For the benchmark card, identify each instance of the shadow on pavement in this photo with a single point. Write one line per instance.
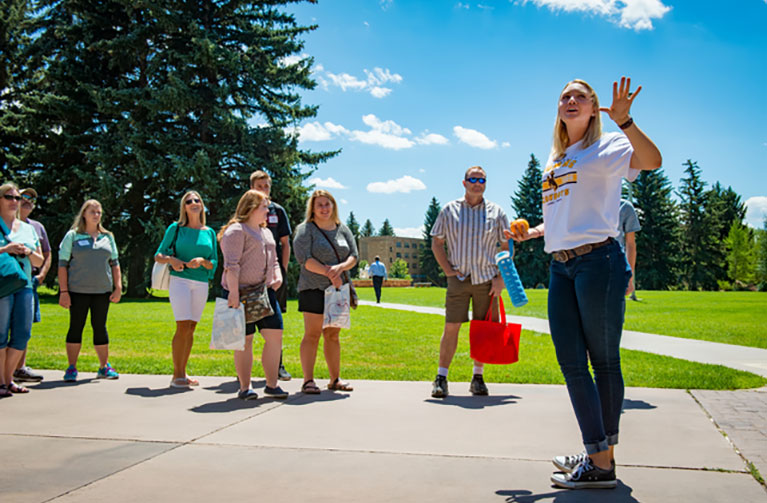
(475, 402)
(225, 387)
(637, 404)
(60, 383)
(621, 494)
(229, 405)
(324, 396)
(155, 393)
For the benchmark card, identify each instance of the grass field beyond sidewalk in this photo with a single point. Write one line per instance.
(382, 344)
(729, 317)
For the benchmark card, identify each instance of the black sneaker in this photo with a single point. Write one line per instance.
(275, 392)
(283, 375)
(439, 390)
(586, 476)
(568, 463)
(26, 374)
(477, 386)
(247, 394)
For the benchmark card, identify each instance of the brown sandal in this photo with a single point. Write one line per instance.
(310, 388)
(16, 389)
(339, 385)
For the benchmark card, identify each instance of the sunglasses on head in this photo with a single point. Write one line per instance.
(192, 200)
(475, 179)
(11, 197)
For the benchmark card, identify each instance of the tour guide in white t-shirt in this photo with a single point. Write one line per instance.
(471, 227)
(589, 272)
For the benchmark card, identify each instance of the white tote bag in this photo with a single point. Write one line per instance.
(160, 276)
(228, 326)
(337, 307)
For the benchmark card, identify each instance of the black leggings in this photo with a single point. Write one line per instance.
(98, 304)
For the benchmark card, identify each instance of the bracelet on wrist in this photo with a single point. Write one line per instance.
(63, 291)
(627, 124)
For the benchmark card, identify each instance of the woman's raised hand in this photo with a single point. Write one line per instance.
(622, 100)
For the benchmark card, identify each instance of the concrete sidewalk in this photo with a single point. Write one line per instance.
(738, 357)
(135, 439)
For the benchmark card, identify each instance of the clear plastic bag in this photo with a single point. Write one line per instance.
(228, 327)
(336, 312)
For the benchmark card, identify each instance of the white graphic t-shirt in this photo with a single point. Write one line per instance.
(582, 192)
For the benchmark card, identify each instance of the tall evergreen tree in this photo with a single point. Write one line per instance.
(723, 207)
(354, 227)
(658, 242)
(428, 264)
(386, 229)
(531, 261)
(143, 101)
(367, 229)
(700, 231)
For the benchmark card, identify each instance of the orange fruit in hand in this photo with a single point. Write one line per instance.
(520, 226)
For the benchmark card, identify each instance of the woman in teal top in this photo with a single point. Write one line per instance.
(89, 279)
(190, 248)
(20, 240)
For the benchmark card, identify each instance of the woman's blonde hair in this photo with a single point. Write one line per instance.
(79, 224)
(249, 201)
(310, 206)
(593, 132)
(7, 187)
(182, 218)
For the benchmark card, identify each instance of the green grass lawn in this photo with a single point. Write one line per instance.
(382, 344)
(728, 317)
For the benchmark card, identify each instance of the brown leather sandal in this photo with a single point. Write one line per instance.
(310, 388)
(339, 385)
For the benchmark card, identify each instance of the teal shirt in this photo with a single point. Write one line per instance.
(191, 243)
(27, 236)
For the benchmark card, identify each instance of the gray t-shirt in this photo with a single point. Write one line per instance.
(627, 222)
(89, 261)
(310, 243)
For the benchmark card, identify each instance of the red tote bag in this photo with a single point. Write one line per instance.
(493, 341)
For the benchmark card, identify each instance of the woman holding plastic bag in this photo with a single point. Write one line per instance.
(326, 249)
(252, 274)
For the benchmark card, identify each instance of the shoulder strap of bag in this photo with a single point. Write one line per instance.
(332, 246)
(175, 238)
(502, 318)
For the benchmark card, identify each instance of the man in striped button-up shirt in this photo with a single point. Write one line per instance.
(472, 228)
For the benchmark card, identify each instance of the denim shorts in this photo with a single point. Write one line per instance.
(273, 322)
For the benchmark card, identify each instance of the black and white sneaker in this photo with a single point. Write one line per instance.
(283, 375)
(478, 386)
(439, 388)
(586, 476)
(275, 392)
(568, 463)
(26, 374)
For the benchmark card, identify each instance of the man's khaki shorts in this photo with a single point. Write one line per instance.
(457, 300)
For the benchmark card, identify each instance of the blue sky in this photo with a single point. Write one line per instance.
(415, 92)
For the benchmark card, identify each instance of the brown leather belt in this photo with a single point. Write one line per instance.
(565, 255)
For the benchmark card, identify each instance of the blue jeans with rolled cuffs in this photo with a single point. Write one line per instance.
(16, 312)
(586, 306)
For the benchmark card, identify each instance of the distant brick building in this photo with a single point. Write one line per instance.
(391, 248)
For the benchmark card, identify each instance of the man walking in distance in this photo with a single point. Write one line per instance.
(472, 228)
(277, 222)
(628, 225)
(29, 199)
(377, 271)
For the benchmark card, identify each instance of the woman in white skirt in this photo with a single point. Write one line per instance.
(190, 248)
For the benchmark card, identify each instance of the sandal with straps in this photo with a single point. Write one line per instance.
(339, 385)
(4, 391)
(16, 389)
(310, 388)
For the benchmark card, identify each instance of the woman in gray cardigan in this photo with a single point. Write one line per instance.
(322, 264)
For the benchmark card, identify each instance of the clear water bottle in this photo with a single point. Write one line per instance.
(510, 276)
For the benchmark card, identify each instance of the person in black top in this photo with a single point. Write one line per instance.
(277, 222)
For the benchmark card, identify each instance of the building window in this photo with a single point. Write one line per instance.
(407, 245)
(407, 255)
(399, 245)
(399, 255)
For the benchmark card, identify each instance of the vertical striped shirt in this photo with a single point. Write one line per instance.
(472, 235)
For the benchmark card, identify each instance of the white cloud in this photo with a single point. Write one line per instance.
(505, 144)
(314, 131)
(635, 14)
(387, 134)
(427, 138)
(343, 201)
(474, 138)
(385, 4)
(329, 183)
(404, 184)
(409, 232)
(293, 59)
(461, 5)
(756, 211)
(375, 81)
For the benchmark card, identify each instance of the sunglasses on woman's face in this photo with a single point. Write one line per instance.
(475, 179)
(192, 200)
(10, 197)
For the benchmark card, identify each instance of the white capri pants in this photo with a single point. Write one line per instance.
(187, 298)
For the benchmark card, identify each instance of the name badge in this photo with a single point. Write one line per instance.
(341, 241)
(83, 242)
(273, 219)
